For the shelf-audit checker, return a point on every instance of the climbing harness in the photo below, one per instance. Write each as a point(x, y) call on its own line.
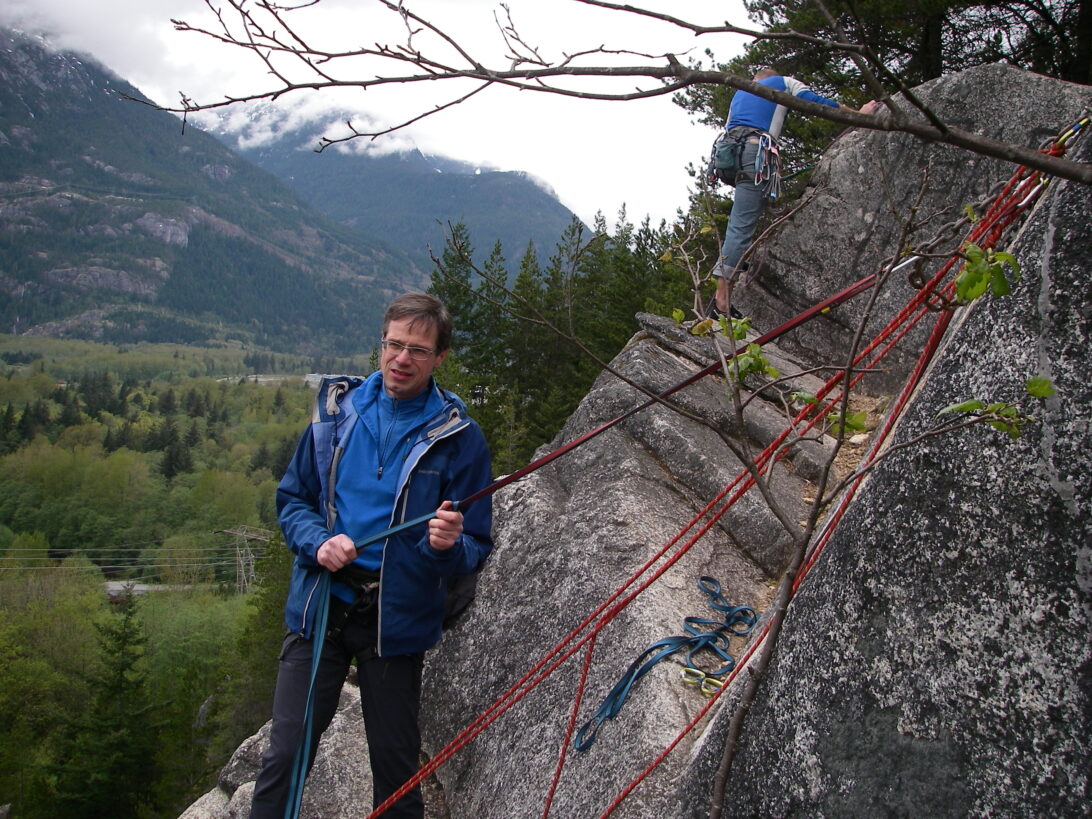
point(701, 634)
point(726, 159)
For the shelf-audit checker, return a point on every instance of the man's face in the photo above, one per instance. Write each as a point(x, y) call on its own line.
point(403, 375)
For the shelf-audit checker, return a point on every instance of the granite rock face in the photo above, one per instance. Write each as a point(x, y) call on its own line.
point(860, 198)
point(340, 783)
point(570, 535)
point(936, 660)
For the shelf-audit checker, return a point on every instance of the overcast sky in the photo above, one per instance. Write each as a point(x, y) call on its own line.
point(596, 156)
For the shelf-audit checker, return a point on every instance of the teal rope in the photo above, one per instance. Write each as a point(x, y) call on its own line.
point(701, 633)
point(322, 600)
point(303, 752)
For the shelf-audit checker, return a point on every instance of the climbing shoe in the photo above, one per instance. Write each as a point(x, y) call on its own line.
point(715, 312)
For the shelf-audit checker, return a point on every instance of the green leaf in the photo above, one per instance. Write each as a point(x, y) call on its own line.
point(971, 283)
point(805, 397)
point(972, 405)
point(702, 328)
point(999, 285)
point(1010, 260)
point(973, 252)
point(1012, 429)
point(857, 421)
point(1040, 387)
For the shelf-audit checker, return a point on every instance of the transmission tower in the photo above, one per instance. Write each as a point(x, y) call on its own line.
point(244, 555)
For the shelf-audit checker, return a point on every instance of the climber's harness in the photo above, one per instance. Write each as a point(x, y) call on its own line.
point(726, 159)
point(365, 586)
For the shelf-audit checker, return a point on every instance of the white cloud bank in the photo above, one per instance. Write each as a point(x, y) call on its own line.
point(597, 156)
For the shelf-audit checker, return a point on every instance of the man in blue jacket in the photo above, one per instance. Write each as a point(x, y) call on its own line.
point(756, 122)
point(379, 451)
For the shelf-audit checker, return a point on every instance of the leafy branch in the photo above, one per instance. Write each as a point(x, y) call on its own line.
point(984, 269)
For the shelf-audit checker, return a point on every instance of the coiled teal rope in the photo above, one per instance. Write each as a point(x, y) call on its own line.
point(701, 633)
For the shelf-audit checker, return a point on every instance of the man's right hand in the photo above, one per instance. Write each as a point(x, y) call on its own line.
point(336, 552)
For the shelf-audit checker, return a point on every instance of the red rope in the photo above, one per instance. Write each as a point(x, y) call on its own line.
point(1004, 210)
point(567, 741)
point(987, 232)
point(998, 217)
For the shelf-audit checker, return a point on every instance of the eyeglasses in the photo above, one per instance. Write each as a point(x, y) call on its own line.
point(416, 353)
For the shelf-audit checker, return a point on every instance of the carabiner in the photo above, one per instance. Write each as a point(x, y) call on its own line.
point(711, 685)
point(692, 676)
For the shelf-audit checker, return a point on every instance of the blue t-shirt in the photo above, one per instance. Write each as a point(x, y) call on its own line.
point(751, 111)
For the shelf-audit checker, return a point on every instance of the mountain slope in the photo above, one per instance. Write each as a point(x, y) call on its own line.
point(117, 223)
point(410, 198)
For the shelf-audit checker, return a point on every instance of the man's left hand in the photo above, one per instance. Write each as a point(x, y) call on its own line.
point(445, 528)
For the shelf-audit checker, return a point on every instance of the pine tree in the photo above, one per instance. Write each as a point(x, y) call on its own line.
point(492, 325)
point(451, 284)
point(193, 435)
point(7, 421)
point(168, 404)
point(244, 701)
point(193, 402)
point(70, 411)
point(35, 419)
point(9, 438)
point(260, 458)
point(281, 457)
point(109, 765)
point(110, 441)
point(177, 459)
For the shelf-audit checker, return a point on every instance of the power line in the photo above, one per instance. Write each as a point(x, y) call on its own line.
point(149, 561)
point(168, 550)
point(119, 567)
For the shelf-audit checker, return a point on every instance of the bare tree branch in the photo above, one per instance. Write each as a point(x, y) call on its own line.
point(272, 40)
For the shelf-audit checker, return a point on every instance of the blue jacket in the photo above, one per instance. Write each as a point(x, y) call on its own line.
point(448, 460)
point(752, 111)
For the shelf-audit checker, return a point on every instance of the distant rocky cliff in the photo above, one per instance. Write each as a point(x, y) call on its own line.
point(118, 225)
point(936, 660)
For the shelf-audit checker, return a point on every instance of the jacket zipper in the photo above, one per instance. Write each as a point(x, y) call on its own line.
point(307, 605)
point(436, 434)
